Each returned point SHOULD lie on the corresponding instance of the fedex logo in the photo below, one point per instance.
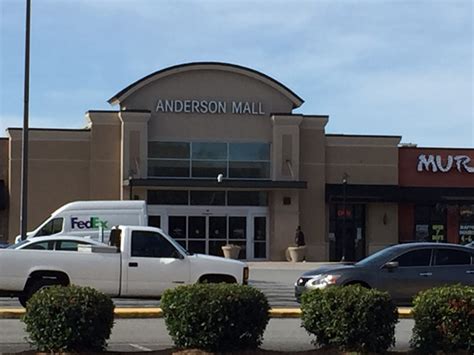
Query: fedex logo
(93, 222)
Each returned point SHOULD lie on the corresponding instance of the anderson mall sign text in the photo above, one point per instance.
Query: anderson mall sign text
(435, 163)
(210, 107)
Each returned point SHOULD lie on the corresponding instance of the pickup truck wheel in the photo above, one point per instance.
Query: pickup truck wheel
(33, 287)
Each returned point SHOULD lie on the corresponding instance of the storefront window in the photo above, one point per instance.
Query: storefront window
(430, 223)
(207, 160)
(466, 224)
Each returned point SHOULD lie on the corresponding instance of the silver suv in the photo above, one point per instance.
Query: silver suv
(402, 270)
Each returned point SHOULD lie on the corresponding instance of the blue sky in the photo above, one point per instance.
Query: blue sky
(375, 67)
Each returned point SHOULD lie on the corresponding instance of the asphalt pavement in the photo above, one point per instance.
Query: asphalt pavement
(151, 334)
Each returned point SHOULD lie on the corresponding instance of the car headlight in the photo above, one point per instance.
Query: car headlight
(304, 279)
(324, 280)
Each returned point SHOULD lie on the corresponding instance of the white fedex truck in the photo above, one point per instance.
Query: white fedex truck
(92, 219)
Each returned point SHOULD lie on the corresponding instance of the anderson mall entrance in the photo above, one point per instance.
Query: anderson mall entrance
(221, 158)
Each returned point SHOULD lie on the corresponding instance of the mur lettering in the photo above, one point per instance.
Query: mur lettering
(435, 163)
(92, 223)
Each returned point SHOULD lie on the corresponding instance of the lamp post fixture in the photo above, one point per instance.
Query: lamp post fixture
(344, 186)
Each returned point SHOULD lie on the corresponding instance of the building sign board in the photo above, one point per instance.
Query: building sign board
(210, 107)
(434, 163)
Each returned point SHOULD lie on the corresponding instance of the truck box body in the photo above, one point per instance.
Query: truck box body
(92, 219)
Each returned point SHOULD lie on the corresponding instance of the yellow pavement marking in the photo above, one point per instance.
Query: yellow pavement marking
(156, 312)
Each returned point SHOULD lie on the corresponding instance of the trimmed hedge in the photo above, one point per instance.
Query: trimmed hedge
(444, 319)
(215, 317)
(71, 319)
(350, 318)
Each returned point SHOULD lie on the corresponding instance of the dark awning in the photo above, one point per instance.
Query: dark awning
(213, 183)
(395, 193)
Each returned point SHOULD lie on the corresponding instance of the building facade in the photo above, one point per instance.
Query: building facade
(218, 154)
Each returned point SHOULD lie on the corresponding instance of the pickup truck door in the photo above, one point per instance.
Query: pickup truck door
(154, 265)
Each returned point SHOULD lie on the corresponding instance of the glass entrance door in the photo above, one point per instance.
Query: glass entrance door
(205, 231)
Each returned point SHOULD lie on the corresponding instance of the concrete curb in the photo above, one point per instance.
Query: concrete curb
(155, 312)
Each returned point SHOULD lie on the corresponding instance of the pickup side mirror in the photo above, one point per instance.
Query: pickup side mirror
(391, 265)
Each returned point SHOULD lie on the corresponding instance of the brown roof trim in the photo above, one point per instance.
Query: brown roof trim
(102, 111)
(51, 129)
(4, 138)
(362, 135)
(122, 92)
(296, 114)
(226, 183)
(438, 148)
(116, 111)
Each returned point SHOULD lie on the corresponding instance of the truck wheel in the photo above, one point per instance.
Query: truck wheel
(33, 287)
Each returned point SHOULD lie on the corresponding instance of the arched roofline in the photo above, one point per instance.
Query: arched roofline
(122, 95)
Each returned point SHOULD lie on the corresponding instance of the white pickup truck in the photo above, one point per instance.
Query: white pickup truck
(140, 262)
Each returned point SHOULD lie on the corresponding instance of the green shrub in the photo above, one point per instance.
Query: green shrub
(444, 319)
(350, 318)
(69, 318)
(215, 317)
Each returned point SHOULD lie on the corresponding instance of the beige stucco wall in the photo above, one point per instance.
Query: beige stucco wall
(312, 200)
(381, 225)
(64, 166)
(366, 159)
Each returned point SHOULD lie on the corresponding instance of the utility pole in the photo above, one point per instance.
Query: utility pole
(344, 186)
(24, 155)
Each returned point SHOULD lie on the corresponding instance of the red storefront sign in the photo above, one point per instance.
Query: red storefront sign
(428, 167)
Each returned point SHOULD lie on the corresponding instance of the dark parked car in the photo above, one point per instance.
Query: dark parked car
(403, 270)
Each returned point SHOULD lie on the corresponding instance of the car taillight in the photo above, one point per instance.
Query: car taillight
(245, 279)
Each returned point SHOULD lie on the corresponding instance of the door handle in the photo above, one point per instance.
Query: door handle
(470, 272)
(133, 264)
(426, 273)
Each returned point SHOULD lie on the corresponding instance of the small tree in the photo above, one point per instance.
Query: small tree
(215, 317)
(69, 318)
(444, 319)
(350, 318)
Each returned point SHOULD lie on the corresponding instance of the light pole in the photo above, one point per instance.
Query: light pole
(344, 186)
(24, 154)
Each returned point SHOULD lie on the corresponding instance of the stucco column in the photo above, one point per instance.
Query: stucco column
(104, 155)
(284, 207)
(134, 146)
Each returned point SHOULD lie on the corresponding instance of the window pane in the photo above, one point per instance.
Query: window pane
(38, 246)
(260, 250)
(247, 198)
(415, 258)
(249, 151)
(249, 170)
(259, 227)
(197, 247)
(452, 257)
(52, 227)
(218, 227)
(151, 245)
(209, 168)
(177, 227)
(167, 197)
(197, 227)
(168, 150)
(154, 221)
(168, 168)
(215, 247)
(237, 227)
(208, 198)
(67, 245)
(210, 151)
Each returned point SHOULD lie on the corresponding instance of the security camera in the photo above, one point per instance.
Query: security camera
(220, 177)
